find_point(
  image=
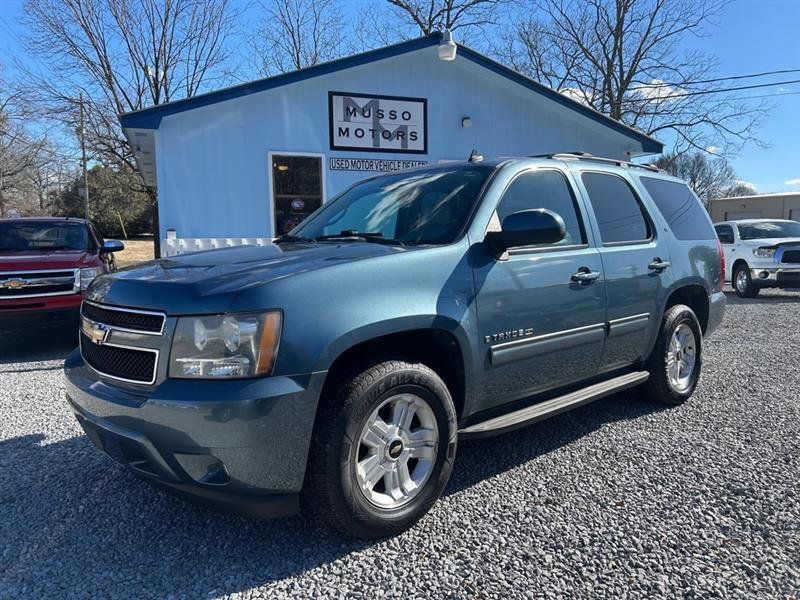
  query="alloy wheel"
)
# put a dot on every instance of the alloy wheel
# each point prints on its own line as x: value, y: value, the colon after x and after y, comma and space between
x: 681, y: 357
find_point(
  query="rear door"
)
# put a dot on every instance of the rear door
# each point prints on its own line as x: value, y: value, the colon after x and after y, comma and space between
x: 636, y: 263
x: 540, y: 328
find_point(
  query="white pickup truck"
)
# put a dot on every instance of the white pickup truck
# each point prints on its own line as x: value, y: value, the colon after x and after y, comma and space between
x: 760, y: 253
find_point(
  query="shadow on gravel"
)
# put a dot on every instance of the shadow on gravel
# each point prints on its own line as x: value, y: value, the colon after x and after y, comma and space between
x: 76, y: 524
x: 36, y: 345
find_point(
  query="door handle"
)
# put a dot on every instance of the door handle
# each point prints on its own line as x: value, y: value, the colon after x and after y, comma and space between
x: 658, y: 265
x: 584, y: 275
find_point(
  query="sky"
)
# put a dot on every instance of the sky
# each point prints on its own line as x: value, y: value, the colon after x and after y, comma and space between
x: 749, y: 36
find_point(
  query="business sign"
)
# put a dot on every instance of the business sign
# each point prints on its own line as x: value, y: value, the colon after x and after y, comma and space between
x: 382, y: 165
x: 378, y: 123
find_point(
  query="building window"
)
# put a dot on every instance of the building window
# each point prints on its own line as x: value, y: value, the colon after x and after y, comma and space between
x: 296, y: 189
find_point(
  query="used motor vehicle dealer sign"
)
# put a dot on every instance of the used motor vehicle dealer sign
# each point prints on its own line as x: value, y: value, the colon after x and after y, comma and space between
x: 377, y: 123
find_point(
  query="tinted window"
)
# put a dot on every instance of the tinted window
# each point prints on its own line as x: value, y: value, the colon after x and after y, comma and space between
x: 685, y: 216
x: 22, y: 236
x: 544, y: 189
x: 428, y: 206
x: 618, y: 212
x: 769, y: 229
x: 725, y: 234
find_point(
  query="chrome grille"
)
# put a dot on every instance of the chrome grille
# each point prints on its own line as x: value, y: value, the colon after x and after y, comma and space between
x: 33, y: 284
x: 125, y: 319
x: 120, y: 362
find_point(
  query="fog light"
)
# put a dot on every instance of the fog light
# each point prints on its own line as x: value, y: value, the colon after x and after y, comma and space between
x: 763, y: 274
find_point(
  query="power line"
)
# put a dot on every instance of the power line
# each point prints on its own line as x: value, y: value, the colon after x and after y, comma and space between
x: 729, y: 78
x: 723, y: 90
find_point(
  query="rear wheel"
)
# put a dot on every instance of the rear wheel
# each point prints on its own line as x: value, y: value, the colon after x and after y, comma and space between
x: 676, y: 360
x: 382, y: 451
x: 743, y: 283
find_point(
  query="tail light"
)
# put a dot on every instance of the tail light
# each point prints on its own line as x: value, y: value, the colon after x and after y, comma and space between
x: 721, y: 266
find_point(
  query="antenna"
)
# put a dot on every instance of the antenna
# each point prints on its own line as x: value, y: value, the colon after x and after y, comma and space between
x: 474, y: 156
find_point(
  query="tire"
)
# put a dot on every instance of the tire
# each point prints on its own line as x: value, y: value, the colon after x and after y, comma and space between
x: 347, y: 455
x: 743, y: 283
x: 663, y: 386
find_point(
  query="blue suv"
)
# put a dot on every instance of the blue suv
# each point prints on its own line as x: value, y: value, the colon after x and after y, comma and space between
x: 339, y: 367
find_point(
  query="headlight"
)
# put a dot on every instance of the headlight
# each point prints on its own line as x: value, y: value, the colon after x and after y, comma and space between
x: 88, y: 275
x: 225, y: 346
x: 764, y: 252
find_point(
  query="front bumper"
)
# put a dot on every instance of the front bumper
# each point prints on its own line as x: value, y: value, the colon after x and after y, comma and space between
x: 780, y: 277
x: 39, y: 312
x: 240, y: 446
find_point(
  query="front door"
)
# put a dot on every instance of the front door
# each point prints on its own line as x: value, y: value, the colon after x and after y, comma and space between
x: 540, y: 326
x: 636, y: 262
x: 296, y: 189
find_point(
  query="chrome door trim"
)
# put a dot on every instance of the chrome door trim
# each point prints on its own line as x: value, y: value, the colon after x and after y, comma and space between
x: 506, y: 352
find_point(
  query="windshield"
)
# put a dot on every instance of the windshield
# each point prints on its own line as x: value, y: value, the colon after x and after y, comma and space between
x: 419, y: 207
x: 43, y: 236
x: 769, y: 229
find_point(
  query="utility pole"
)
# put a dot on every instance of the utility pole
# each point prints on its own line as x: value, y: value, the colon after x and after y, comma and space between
x: 83, y: 161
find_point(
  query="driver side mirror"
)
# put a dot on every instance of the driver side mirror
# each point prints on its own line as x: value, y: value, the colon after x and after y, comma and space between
x: 527, y: 228
x: 112, y: 246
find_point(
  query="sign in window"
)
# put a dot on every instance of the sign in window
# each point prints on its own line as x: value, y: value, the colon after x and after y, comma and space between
x: 296, y: 189
x: 377, y: 123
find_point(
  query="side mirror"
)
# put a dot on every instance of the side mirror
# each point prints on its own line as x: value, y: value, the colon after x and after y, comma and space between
x: 112, y: 246
x: 527, y: 228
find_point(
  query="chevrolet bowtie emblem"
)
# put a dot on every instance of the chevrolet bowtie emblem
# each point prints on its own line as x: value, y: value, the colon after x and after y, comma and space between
x: 96, y: 332
x: 13, y: 284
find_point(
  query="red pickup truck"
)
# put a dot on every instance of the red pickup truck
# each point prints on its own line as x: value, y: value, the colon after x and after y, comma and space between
x: 45, y: 265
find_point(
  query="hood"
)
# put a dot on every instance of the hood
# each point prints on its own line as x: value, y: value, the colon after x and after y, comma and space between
x: 208, y: 282
x: 45, y: 260
x: 770, y: 242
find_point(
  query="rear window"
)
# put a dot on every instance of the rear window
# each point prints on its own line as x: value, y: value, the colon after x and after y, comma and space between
x: 683, y: 212
x: 616, y: 208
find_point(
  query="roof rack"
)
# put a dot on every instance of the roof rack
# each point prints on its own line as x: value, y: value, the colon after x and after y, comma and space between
x: 587, y: 156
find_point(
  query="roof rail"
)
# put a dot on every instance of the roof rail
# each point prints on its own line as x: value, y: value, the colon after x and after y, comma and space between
x: 587, y: 156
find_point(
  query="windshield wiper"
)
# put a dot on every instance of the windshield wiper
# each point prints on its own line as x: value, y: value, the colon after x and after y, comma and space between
x: 294, y: 238
x: 351, y: 234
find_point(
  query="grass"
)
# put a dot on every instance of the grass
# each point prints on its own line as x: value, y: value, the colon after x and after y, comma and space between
x: 136, y: 251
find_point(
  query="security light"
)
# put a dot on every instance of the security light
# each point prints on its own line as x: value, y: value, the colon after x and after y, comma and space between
x: 447, y: 47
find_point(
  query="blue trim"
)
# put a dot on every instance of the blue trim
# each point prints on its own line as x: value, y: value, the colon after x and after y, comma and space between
x: 150, y: 118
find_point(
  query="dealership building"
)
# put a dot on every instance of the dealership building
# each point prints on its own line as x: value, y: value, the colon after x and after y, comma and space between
x: 247, y: 163
x: 784, y: 205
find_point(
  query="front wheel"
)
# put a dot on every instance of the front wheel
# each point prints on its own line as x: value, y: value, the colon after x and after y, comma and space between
x: 383, y: 449
x: 676, y: 360
x: 743, y: 283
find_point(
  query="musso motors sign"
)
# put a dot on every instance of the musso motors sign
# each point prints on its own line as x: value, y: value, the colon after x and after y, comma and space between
x: 378, y: 123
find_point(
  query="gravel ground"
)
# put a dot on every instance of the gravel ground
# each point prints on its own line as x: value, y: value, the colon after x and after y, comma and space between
x: 617, y: 499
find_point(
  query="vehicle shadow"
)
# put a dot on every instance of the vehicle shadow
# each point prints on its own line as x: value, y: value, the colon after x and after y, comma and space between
x: 768, y: 296
x: 76, y: 524
x: 37, y: 345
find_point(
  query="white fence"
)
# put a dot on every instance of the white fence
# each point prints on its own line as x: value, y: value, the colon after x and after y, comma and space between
x: 175, y: 246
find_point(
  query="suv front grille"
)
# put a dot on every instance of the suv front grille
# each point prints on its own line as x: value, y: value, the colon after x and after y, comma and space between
x: 30, y: 284
x: 129, y: 364
x: 791, y: 256
x: 130, y: 320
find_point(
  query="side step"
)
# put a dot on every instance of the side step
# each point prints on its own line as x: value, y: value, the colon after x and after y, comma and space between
x: 550, y: 408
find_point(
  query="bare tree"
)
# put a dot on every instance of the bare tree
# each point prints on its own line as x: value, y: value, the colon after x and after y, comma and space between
x: 624, y: 58
x: 123, y: 55
x: 709, y: 177
x: 437, y: 15
x: 295, y: 34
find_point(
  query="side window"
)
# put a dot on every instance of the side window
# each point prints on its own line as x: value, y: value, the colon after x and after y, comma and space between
x: 546, y: 188
x: 725, y: 234
x: 619, y: 214
x: 683, y: 212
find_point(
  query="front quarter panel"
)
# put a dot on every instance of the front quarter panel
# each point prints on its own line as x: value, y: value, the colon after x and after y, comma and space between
x: 327, y: 311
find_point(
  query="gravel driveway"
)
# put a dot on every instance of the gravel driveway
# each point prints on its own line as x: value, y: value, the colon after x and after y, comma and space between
x: 617, y: 499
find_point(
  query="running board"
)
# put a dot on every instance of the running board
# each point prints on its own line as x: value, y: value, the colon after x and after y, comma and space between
x: 550, y: 408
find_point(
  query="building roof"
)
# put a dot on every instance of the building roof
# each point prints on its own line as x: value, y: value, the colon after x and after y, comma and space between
x: 150, y: 118
x: 756, y: 196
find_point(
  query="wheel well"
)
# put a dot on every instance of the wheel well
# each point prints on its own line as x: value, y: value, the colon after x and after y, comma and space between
x: 736, y: 263
x: 436, y: 348
x: 696, y: 298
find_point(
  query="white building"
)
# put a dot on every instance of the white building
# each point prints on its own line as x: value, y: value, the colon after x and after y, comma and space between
x: 252, y: 160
